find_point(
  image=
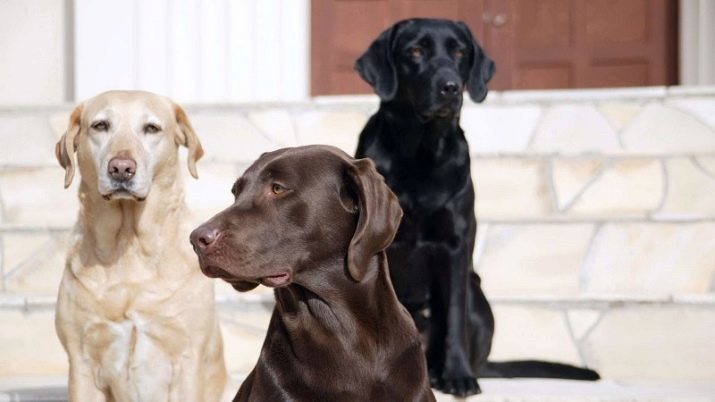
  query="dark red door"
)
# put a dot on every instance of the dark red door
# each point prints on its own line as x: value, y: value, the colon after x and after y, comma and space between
x: 536, y: 44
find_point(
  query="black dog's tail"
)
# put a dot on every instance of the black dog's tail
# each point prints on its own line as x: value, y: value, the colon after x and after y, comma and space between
x: 536, y: 369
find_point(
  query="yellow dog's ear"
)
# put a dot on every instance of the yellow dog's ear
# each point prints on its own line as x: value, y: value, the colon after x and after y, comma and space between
x: 186, y: 136
x: 67, y: 145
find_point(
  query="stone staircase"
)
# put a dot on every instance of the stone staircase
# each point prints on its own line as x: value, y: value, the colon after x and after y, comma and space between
x: 596, y: 239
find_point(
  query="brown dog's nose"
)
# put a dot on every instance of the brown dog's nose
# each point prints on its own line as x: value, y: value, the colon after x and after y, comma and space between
x: 203, y: 236
x: 121, y: 168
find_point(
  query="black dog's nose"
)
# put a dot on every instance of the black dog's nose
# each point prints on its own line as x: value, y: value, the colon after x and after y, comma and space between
x: 203, y: 236
x: 121, y: 168
x: 450, y: 88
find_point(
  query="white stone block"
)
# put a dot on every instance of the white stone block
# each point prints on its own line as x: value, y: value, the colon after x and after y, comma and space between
x: 654, y: 342
x: 35, y: 262
x: 58, y: 123
x: 337, y: 128
x: 691, y: 191
x: 571, y: 177
x: 702, y: 108
x: 211, y: 193
x: 574, y: 129
x: 228, y: 137
x: 661, y: 129
x: 619, y: 113
x: 626, y: 188
x: 29, y: 344
x: 581, y: 321
x: 499, y: 129
x: 532, y: 333
x: 534, y: 259
x: 243, y: 335
x: 651, y: 258
x: 27, y: 140
x: 36, y: 197
x: 707, y: 164
x: 277, y: 124
x: 510, y: 188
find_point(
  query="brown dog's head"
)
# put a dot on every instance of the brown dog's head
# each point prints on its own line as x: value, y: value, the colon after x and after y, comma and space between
x: 298, y: 211
x: 124, y: 140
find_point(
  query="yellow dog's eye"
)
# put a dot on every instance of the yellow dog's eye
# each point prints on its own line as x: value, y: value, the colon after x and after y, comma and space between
x: 151, y: 128
x: 416, y: 52
x: 277, y: 189
x: 101, y: 125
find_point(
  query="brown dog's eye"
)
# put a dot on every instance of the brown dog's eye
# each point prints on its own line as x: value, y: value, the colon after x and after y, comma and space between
x: 101, y: 125
x: 277, y: 189
x: 459, y: 53
x: 151, y: 128
x: 416, y: 52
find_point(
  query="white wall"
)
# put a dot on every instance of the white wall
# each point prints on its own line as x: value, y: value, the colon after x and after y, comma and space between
x: 32, y: 51
x: 202, y: 50
x: 194, y: 50
x: 697, y: 42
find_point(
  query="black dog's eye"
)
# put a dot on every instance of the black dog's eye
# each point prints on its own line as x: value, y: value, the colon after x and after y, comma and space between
x: 101, y: 125
x: 277, y: 189
x: 151, y: 128
x: 459, y: 53
x: 416, y: 52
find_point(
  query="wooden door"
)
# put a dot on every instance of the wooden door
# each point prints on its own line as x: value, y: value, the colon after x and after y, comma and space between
x: 535, y: 43
x: 341, y: 30
x: 582, y: 43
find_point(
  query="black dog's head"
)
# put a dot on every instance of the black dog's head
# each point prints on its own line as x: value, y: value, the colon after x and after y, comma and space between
x: 427, y: 62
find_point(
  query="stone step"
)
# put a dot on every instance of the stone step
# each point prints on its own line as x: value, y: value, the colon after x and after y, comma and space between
x: 596, y: 211
x: 624, y: 338
x: 565, y: 259
x: 53, y: 389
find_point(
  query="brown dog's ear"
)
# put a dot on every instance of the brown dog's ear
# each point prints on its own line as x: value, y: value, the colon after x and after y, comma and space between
x: 380, y: 216
x: 67, y: 145
x: 186, y: 136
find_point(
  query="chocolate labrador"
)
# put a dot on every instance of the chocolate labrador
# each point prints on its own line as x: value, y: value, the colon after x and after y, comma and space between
x: 420, y: 68
x: 313, y: 223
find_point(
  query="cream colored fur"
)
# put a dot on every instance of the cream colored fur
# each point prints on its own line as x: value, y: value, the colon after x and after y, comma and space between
x: 134, y: 312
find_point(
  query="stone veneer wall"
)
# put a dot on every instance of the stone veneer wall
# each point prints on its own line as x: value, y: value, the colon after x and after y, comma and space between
x: 596, y: 242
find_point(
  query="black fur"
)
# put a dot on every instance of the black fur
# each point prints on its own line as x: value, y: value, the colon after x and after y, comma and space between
x: 419, y: 68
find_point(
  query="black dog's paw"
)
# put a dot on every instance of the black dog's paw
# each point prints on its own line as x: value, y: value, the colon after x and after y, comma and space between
x: 435, y: 379
x: 461, y: 387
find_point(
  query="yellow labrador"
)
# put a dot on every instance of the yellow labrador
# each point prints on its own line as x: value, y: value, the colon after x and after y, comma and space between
x: 134, y: 312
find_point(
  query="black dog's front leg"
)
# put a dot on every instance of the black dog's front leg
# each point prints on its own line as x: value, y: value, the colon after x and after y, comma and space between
x: 457, y: 376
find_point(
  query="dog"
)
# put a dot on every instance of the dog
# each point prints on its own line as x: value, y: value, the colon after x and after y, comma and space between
x: 134, y: 313
x: 313, y: 223
x: 419, y: 68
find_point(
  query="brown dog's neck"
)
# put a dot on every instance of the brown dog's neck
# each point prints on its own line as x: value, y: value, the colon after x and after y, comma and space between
x: 111, y: 226
x: 337, y: 304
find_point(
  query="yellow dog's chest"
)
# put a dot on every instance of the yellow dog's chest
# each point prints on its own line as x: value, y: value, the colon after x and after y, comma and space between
x: 134, y: 320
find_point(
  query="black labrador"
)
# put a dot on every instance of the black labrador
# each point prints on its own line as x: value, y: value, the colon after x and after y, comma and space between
x: 420, y: 68
x: 314, y: 223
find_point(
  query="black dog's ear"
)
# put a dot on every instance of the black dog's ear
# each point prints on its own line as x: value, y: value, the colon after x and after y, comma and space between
x: 380, y: 216
x: 377, y: 67
x: 481, y: 68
